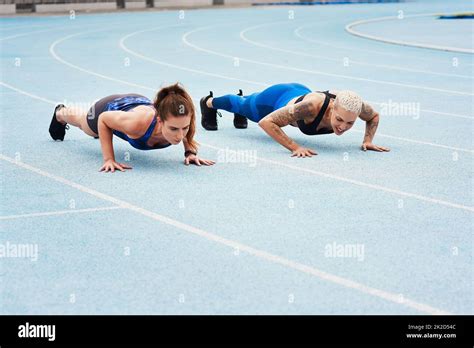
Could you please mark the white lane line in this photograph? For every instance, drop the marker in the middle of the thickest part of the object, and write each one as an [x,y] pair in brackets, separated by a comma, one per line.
[59,212]
[6,85]
[201,72]
[445,113]
[361,183]
[336,177]
[122,45]
[55,56]
[31,32]
[350,29]
[12,27]
[53,28]
[419,142]
[336,60]
[297,33]
[261,254]
[185,40]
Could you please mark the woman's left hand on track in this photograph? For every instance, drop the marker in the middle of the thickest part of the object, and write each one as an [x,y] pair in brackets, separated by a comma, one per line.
[198,161]
[373,147]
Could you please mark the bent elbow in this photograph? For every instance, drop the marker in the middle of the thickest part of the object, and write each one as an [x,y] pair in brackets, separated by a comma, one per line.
[262,123]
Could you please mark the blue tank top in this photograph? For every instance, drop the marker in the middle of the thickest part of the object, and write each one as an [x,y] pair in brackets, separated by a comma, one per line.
[127,103]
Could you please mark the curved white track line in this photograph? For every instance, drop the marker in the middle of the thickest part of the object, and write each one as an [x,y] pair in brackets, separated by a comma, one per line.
[378,103]
[307,39]
[349,28]
[313,72]
[298,34]
[340,61]
[55,56]
[122,46]
[201,72]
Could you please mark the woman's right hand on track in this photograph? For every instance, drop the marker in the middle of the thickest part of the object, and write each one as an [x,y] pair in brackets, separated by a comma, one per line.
[303,152]
[111,165]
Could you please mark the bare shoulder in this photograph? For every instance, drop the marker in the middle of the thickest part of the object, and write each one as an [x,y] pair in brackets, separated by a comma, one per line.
[367,113]
[316,99]
[143,111]
[139,119]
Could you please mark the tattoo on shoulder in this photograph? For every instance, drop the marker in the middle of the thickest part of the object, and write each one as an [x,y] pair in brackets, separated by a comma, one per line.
[367,111]
[292,113]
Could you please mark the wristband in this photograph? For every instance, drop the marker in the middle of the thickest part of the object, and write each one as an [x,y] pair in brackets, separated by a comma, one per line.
[189,152]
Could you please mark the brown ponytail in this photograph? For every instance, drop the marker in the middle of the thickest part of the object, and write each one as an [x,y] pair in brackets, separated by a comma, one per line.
[176,101]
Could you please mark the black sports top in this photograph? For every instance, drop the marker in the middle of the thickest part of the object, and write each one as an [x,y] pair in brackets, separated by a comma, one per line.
[311,129]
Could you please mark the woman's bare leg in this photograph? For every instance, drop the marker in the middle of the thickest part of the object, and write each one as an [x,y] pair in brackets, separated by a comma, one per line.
[76,118]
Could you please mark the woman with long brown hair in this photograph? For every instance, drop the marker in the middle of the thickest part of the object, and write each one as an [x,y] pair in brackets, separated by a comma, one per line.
[146,125]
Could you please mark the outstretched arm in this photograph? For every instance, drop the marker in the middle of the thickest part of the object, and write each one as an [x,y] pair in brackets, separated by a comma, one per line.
[273,122]
[108,121]
[371,117]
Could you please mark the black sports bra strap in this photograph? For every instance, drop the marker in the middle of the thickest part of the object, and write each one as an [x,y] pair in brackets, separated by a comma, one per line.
[300,98]
[330,95]
[323,109]
[311,129]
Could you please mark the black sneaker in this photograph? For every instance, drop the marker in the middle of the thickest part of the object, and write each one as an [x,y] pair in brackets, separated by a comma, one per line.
[57,130]
[239,120]
[208,115]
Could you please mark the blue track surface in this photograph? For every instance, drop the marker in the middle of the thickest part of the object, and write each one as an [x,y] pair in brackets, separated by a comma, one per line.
[246,237]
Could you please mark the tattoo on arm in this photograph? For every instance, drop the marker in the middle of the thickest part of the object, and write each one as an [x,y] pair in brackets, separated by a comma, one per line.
[273,122]
[370,128]
[288,114]
[282,138]
[367,113]
[371,117]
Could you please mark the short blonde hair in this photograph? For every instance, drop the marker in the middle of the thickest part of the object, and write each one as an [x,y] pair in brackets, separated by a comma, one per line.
[349,101]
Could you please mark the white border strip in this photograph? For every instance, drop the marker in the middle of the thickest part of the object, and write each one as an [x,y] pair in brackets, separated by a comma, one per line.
[59,212]
[349,28]
[261,254]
